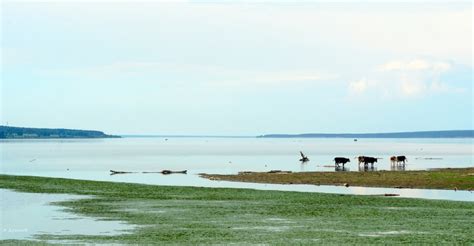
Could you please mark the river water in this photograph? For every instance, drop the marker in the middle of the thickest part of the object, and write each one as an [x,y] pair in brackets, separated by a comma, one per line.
[92,159]
[28,215]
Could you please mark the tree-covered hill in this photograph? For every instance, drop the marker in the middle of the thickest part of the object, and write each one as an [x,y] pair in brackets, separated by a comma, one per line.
[22,132]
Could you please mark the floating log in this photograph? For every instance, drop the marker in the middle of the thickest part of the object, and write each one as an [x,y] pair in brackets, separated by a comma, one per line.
[112,172]
[169,172]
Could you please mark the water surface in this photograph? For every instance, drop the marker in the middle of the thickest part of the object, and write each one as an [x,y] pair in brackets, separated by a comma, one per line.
[92,159]
[28,215]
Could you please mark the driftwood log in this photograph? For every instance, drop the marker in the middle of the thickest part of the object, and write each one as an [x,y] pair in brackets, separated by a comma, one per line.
[169,172]
[113,172]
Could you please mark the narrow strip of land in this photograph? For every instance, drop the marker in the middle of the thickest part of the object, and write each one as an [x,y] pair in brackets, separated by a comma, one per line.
[446,178]
[195,216]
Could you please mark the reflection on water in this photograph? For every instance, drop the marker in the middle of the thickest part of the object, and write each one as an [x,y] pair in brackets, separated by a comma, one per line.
[304,166]
[26,215]
[341,169]
[397,167]
[93,159]
[364,168]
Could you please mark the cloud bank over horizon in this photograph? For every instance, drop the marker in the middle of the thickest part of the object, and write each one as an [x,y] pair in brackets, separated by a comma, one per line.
[411,79]
[237,68]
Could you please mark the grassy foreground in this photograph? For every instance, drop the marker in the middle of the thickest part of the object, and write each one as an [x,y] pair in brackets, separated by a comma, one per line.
[187,215]
[446,178]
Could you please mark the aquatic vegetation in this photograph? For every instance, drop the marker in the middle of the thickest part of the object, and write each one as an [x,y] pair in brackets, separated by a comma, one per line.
[192,215]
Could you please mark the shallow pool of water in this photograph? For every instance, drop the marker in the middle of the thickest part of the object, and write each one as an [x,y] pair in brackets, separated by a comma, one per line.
[27,215]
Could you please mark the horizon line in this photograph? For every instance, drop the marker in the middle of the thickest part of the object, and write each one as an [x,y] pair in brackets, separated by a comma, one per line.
[278,134]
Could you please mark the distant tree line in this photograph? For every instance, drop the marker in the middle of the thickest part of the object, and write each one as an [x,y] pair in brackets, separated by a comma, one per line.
[21,132]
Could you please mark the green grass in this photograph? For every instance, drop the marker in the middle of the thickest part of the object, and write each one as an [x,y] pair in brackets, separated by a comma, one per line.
[188,215]
[446,178]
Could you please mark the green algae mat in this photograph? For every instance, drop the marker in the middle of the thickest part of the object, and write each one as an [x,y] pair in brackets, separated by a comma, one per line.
[190,216]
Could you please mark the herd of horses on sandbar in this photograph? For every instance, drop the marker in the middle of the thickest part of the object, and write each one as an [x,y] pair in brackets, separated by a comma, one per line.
[395,161]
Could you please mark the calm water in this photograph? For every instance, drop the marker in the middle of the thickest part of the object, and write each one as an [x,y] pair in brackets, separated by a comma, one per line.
[28,215]
[93,158]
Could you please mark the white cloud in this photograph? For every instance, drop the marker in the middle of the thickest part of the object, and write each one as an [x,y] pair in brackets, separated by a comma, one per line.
[360,86]
[432,29]
[135,68]
[413,88]
[441,66]
[414,65]
[418,65]
[406,78]
[391,66]
[438,87]
[285,78]
[193,74]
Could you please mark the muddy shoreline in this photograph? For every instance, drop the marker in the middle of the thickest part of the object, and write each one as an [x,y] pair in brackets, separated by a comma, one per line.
[445,178]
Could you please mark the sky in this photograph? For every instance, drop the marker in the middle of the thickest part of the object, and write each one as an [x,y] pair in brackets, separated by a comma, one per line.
[237,67]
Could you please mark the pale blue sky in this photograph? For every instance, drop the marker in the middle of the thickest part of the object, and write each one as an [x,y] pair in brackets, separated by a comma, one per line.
[237,68]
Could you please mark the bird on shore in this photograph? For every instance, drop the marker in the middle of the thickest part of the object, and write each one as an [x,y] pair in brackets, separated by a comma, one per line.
[303,157]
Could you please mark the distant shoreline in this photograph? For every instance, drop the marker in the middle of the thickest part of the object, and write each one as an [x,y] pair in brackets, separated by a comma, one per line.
[10,132]
[418,134]
[179,136]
